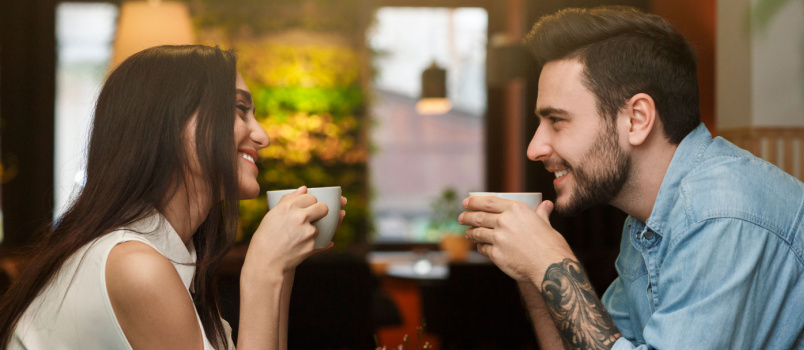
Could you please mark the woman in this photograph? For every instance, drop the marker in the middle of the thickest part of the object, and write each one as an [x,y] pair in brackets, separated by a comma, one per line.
[131,262]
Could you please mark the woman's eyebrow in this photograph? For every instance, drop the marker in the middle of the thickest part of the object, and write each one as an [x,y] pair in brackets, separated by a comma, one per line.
[247,96]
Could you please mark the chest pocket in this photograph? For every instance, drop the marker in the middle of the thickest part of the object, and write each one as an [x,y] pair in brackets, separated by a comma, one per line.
[630,264]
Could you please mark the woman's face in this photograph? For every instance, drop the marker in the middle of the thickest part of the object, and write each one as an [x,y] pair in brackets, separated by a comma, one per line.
[249,138]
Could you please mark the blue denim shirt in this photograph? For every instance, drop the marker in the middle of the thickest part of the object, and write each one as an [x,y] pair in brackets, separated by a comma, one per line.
[720,262]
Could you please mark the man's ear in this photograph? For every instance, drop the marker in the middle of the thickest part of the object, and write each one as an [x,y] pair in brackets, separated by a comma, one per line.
[642,117]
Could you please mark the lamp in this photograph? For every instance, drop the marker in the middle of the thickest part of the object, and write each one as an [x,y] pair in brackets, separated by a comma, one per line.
[147,24]
[434,92]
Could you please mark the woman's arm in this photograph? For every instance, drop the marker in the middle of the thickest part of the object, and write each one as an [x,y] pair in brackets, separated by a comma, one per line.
[283,240]
[149,299]
[284,310]
[260,311]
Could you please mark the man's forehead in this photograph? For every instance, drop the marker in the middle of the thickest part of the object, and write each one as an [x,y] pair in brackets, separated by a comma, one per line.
[561,86]
[562,71]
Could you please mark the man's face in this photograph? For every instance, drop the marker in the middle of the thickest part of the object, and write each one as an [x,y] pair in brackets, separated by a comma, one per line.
[575,142]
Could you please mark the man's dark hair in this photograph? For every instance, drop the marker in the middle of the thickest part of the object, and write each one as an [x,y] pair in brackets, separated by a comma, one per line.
[625,52]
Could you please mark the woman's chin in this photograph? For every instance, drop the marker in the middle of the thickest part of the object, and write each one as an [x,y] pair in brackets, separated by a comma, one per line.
[249,193]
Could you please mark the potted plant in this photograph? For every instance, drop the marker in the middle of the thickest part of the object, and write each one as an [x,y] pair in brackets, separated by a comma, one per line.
[444,225]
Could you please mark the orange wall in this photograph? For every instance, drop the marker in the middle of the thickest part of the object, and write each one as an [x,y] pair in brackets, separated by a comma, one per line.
[695,19]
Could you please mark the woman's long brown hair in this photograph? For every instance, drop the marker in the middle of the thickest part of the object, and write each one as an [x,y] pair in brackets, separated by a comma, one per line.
[136,161]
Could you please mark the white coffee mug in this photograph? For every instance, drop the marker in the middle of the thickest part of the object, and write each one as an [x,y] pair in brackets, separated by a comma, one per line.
[532,199]
[331,196]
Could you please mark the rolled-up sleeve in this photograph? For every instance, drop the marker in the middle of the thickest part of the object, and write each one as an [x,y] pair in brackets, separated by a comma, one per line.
[624,344]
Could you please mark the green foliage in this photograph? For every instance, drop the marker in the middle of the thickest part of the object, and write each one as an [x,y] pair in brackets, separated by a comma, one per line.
[761,15]
[309,102]
[765,10]
[444,219]
[301,62]
[266,16]
[285,101]
[313,62]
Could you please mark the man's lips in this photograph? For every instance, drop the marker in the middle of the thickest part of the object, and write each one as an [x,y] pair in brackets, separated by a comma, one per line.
[560,175]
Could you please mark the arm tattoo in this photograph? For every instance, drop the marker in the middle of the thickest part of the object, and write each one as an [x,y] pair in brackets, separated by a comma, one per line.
[579,315]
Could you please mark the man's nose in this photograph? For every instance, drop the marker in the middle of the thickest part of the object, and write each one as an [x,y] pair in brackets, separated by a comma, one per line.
[539,148]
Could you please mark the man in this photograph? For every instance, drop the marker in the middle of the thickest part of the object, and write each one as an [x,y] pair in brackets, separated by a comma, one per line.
[712,252]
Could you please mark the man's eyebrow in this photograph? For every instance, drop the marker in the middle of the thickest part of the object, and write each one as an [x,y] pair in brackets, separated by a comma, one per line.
[543,112]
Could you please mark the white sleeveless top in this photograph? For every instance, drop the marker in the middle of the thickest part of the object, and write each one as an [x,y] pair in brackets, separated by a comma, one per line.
[74,312]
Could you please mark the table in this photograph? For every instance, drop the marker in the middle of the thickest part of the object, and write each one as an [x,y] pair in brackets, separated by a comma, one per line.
[432,265]
[402,279]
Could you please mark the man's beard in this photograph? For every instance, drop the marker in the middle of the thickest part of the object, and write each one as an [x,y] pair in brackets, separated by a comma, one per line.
[599,176]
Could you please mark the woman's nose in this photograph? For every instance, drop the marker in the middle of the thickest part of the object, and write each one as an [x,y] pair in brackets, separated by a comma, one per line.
[259,136]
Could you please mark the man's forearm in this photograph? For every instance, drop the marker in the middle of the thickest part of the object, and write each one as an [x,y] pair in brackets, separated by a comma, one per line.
[579,316]
[543,325]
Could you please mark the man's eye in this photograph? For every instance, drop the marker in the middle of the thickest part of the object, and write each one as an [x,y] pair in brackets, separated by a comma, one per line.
[554,120]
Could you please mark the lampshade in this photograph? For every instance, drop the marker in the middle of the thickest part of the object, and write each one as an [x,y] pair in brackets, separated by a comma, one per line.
[147,24]
[434,92]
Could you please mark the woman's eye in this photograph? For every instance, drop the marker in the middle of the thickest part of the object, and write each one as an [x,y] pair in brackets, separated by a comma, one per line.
[242,110]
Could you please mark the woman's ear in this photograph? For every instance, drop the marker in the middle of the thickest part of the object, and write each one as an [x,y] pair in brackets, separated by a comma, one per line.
[642,114]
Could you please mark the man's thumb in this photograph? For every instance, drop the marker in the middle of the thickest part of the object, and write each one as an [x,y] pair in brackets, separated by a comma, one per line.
[544,209]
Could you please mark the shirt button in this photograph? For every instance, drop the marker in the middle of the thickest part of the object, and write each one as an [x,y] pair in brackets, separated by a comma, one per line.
[648,235]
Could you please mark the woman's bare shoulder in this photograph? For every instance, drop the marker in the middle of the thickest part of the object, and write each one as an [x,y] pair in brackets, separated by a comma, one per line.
[149,300]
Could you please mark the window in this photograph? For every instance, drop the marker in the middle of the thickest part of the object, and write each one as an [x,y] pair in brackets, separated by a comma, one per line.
[84,35]
[417,159]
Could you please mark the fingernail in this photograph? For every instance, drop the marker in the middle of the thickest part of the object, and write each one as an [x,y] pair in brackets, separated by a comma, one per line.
[460,218]
[465,202]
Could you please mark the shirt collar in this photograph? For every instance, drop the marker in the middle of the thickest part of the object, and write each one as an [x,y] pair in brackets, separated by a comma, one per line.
[686,157]
[157,230]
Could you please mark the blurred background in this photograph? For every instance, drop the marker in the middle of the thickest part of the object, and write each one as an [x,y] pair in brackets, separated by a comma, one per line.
[406,104]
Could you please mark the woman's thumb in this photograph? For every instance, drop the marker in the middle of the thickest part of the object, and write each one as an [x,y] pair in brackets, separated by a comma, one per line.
[298,192]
